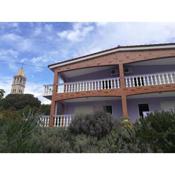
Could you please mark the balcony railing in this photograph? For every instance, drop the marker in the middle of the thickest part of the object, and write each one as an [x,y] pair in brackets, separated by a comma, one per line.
[59,120]
[44,121]
[48,89]
[113,83]
[101,84]
[91,85]
[150,79]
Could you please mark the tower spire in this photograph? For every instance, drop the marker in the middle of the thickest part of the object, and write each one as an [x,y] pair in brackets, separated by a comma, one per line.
[21,72]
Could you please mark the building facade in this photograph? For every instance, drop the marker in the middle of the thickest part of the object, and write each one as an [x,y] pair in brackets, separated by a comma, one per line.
[19,81]
[126,81]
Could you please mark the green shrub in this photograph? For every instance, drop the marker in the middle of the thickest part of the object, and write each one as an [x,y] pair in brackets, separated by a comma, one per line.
[84,144]
[45,109]
[97,125]
[51,140]
[158,131]
[16,130]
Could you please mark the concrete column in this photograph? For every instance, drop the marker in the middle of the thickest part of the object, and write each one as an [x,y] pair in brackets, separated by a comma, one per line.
[124,106]
[122,86]
[53,103]
[122,76]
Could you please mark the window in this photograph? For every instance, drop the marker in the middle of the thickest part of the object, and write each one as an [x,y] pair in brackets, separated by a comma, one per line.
[108,109]
[143,108]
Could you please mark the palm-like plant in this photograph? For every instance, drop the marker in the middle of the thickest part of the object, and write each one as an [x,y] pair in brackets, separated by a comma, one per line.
[2,92]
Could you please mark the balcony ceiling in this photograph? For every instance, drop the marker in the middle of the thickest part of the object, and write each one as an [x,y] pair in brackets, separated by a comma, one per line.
[79,72]
[164,61]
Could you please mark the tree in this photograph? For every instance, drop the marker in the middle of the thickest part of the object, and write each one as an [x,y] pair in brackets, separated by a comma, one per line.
[2,92]
[20,101]
[45,109]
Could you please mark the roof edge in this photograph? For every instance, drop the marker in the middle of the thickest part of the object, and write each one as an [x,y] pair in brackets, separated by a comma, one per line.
[112,50]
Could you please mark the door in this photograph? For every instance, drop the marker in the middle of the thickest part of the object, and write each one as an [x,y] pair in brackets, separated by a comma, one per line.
[143,108]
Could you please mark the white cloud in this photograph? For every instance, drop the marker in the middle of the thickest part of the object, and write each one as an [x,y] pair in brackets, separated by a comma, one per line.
[10,25]
[37,31]
[25,45]
[50,57]
[108,35]
[78,32]
[37,90]
[112,34]
[48,27]
[5,83]
[18,42]
[10,37]
[7,54]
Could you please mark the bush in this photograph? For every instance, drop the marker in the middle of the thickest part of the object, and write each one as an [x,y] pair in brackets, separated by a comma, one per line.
[16,131]
[84,144]
[51,140]
[97,125]
[157,131]
[45,109]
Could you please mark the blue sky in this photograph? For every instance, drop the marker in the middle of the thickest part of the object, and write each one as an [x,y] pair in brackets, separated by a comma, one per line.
[39,44]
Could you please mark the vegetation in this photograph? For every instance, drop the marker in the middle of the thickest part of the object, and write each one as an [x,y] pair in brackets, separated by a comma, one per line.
[45,109]
[16,130]
[98,125]
[157,131]
[20,131]
[2,92]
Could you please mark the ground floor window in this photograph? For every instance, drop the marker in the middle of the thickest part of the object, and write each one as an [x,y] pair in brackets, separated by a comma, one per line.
[143,108]
[108,109]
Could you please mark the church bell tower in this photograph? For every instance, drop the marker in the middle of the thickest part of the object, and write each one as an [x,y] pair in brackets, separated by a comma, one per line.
[19,82]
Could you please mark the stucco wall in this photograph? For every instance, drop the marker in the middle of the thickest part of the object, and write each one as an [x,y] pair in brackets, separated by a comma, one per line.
[70,108]
[154,105]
